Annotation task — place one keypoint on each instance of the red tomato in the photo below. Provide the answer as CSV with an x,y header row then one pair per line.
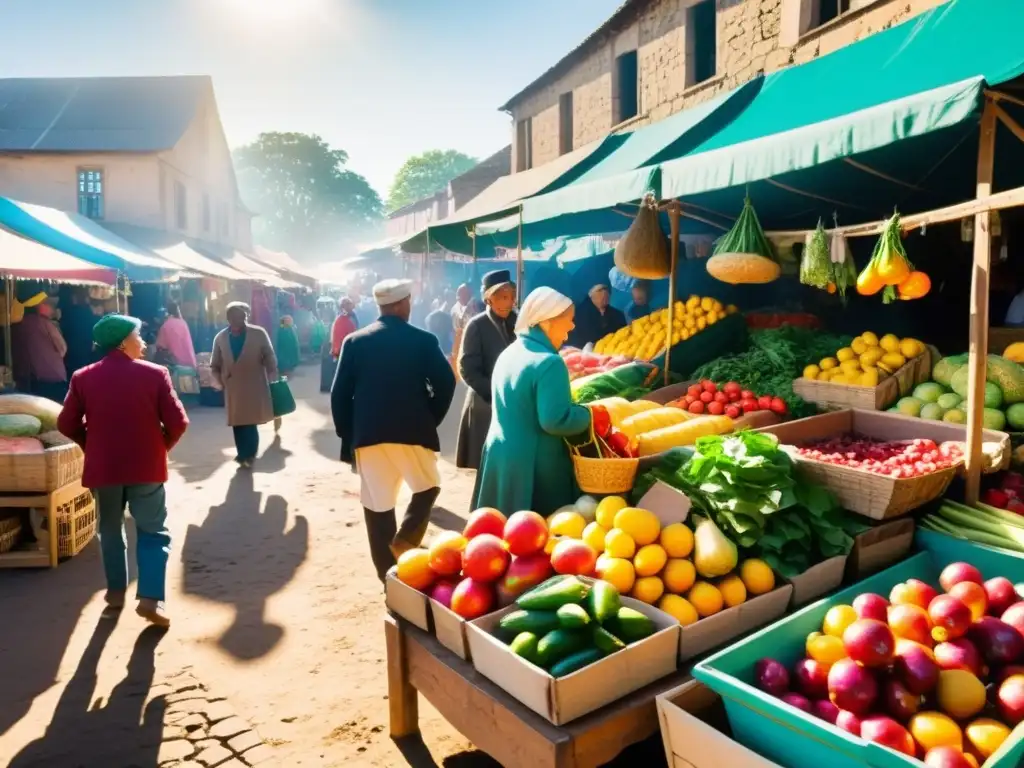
x,y
694,390
734,397
778,405
764,402
749,404
706,397
732,411
731,387
696,407
709,386
746,394
721,397
715,408
689,400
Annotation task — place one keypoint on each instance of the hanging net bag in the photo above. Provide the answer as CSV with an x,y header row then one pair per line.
x,y
743,255
643,251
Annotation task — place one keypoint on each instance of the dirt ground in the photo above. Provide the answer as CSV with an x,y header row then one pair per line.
x,y
274,603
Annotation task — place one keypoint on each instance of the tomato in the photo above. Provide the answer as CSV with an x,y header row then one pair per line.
x,y
778,405
709,386
715,408
706,396
749,405
733,412
746,394
688,400
694,390
731,387
764,402
721,397
734,397
696,407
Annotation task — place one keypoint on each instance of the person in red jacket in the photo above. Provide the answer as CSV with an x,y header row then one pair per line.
x,y
344,324
124,414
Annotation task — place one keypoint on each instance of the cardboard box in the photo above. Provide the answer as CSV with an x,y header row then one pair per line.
x,y
817,580
403,600
879,547
450,629
890,389
669,504
729,624
695,731
561,700
872,495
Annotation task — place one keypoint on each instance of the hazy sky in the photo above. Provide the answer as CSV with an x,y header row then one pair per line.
x,y
381,79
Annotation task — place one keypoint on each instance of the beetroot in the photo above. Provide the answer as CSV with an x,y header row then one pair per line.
x,y
849,722
825,710
998,642
811,678
915,668
1014,616
771,677
960,654
899,701
852,687
1001,595
798,701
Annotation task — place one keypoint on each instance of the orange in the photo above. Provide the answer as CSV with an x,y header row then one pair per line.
x,y
679,608
678,575
649,560
705,598
677,540
594,535
642,525
607,508
617,572
619,544
414,569
733,591
648,589
838,618
825,649
757,576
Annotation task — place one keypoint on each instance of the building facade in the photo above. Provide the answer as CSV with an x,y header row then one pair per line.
x,y
148,152
653,58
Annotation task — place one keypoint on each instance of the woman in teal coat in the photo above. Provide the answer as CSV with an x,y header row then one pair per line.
x,y
525,462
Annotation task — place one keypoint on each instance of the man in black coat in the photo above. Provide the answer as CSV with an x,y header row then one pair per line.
x,y
596,318
391,391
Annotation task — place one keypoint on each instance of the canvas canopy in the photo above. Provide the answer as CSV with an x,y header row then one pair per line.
x,y
176,251
20,257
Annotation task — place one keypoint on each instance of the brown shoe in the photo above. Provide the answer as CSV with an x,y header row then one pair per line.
x,y
114,598
154,612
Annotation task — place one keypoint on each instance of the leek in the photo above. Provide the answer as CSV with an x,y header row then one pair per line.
x,y
975,522
936,524
991,513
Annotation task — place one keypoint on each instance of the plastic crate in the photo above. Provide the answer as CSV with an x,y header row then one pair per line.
x,y
988,560
798,740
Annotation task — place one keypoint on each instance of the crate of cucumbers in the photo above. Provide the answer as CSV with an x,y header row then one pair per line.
x,y
571,645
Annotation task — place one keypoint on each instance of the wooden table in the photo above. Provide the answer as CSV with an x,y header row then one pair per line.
x,y
496,723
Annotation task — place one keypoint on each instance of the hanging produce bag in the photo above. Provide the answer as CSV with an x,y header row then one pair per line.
x,y
743,255
890,271
844,271
815,264
643,251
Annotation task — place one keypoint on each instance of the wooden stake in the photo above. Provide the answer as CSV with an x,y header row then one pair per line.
x,y
519,262
978,348
673,219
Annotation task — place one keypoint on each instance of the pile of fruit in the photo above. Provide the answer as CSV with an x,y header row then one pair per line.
x,y
1008,495
910,672
866,361
648,337
894,458
582,363
945,397
688,575
730,399
566,624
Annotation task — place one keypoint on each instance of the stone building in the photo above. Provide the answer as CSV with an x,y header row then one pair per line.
x,y
653,58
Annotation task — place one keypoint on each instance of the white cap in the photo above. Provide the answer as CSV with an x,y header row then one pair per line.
x,y
391,291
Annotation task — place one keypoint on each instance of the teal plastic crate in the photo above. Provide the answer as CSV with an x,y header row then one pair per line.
x,y
797,740
991,561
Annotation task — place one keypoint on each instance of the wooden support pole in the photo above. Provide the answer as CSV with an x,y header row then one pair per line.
x,y
978,348
673,219
519,261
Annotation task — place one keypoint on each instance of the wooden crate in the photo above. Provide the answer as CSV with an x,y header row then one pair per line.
x,y
76,519
54,468
1000,338
831,396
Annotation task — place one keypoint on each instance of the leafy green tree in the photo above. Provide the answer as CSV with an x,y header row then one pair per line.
x,y
306,200
423,175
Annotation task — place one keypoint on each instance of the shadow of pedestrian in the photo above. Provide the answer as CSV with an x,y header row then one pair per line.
x,y
274,458
446,519
123,731
241,556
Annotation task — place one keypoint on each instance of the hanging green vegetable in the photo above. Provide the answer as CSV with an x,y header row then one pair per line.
x,y
815,264
844,271
743,255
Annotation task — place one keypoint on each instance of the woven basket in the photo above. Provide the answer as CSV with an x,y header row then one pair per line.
x,y
10,531
47,471
76,522
839,396
602,476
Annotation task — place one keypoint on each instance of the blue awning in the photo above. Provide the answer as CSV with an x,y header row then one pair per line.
x,y
83,238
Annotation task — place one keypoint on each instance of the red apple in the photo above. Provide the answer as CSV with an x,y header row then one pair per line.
x,y
887,732
954,573
900,701
915,667
852,687
796,700
524,573
572,556
973,596
871,606
870,642
485,558
811,678
1014,616
442,592
947,757
525,533
925,592
446,553
849,722
484,520
825,710
471,599
1001,595
910,622
960,654
951,617
1010,699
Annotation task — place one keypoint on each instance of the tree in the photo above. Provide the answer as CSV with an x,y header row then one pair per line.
x,y
308,203
423,175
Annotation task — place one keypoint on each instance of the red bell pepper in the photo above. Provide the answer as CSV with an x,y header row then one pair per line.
x,y
602,420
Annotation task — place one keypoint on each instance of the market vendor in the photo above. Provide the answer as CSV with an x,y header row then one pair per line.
x,y
486,336
174,339
76,322
596,317
525,463
641,306
37,351
344,324
288,346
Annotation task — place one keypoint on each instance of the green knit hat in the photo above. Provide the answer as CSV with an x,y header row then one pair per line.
x,y
111,330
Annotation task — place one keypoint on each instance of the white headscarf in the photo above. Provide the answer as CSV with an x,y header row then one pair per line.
x,y
542,304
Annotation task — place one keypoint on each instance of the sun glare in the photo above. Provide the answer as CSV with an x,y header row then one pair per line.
x,y
273,11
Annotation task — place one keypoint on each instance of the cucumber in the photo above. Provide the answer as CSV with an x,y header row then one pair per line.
x,y
575,662
605,641
603,601
525,645
538,622
553,594
629,625
558,644
572,616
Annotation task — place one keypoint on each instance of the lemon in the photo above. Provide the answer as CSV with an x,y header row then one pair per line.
x,y
890,342
811,372
716,305
733,591
607,508
648,589
676,539
594,535
840,378
911,348
850,366
893,360
858,346
693,301
702,323
828,363
824,375
838,618
757,576
616,571
569,524
707,304
649,560
705,598
618,543
679,608
845,354
678,575
869,378
870,357
825,649
641,524
732,309
869,339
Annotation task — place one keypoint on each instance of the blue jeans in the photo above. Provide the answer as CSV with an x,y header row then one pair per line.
x,y
247,442
147,504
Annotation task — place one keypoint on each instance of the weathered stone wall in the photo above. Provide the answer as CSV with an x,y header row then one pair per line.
x,y
753,36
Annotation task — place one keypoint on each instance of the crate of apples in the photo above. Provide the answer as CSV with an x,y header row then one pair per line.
x,y
729,399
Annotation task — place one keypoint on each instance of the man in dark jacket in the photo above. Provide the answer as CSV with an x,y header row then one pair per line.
x,y
392,389
596,318
124,414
